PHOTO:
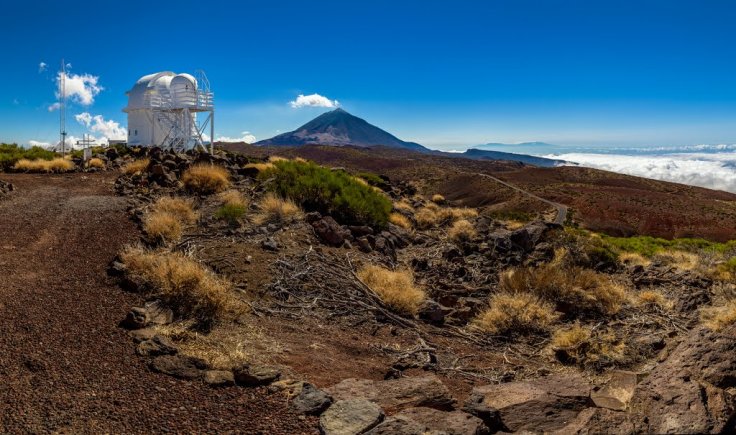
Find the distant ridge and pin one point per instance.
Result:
(340, 128)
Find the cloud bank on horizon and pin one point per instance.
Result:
(713, 170)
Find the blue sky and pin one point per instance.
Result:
(444, 74)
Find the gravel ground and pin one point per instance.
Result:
(65, 365)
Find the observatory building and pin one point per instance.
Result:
(162, 110)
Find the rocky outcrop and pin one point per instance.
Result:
(540, 405)
(5, 188)
(350, 417)
(330, 231)
(396, 394)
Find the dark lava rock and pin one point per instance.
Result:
(179, 366)
(311, 400)
(330, 231)
(256, 375)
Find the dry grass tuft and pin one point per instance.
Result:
(273, 159)
(395, 288)
(400, 220)
(182, 208)
(573, 289)
(718, 317)
(184, 284)
(136, 167)
(652, 299)
(404, 206)
(432, 215)
(95, 162)
(680, 260)
(260, 166)
(205, 178)
(233, 197)
(276, 209)
(363, 182)
(516, 313)
(579, 345)
(438, 199)
(462, 231)
(39, 165)
(633, 259)
(426, 218)
(162, 226)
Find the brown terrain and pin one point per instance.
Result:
(65, 364)
(602, 346)
(619, 205)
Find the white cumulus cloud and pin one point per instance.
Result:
(314, 100)
(246, 137)
(36, 143)
(710, 170)
(79, 88)
(109, 129)
(42, 67)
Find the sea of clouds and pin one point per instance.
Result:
(711, 166)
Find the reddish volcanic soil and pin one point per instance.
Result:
(65, 366)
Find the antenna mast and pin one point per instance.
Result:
(62, 107)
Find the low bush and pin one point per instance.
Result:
(189, 288)
(400, 220)
(432, 215)
(462, 231)
(162, 227)
(395, 288)
(574, 290)
(181, 208)
(335, 193)
(136, 167)
(726, 271)
(275, 209)
(205, 178)
(649, 246)
(515, 313)
(232, 213)
(11, 153)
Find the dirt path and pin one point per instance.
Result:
(65, 366)
(561, 214)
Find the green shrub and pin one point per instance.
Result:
(11, 153)
(336, 193)
(231, 212)
(649, 246)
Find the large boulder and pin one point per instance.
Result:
(529, 236)
(350, 417)
(254, 375)
(311, 400)
(692, 391)
(540, 405)
(179, 366)
(396, 394)
(617, 392)
(450, 423)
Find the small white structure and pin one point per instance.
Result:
(162, 110)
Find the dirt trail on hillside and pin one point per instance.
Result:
(65, 365)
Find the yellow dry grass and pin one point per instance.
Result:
(462, 231)
(512, 225)
(680, 260)
(720, 316)
(395, 288)
(403, 205)
(578, 344)
(206, 178)
(233, 197)
(181, 208)
(136, 167)
(652, 299)
(633, 259)
(426, 218)
(438, 199)
(276, 209)
(400, 220)
(260, 166)
(361, 181)
(95, 162)
(273, 159)
(161, 226)
(39, 165)
(184, 284)
(573, 289)
(515, 313)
